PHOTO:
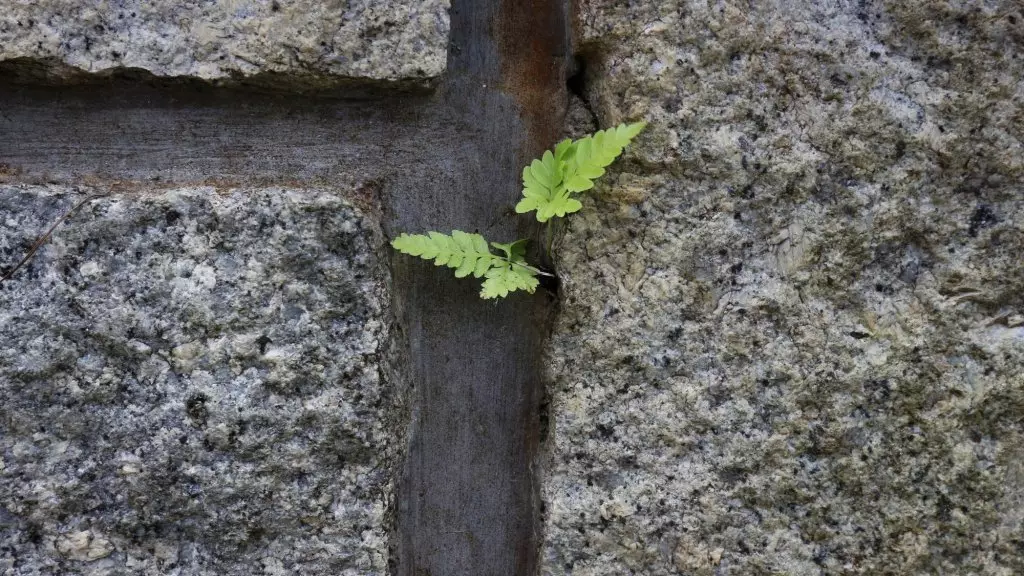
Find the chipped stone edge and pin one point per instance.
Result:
(55, 73)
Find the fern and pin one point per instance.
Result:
(590, 155)
(543, 189)
(514, 251)
(470, 254)
(549, 183)
(512, 274)
(509, 277)
(467, 253)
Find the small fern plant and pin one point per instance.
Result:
(550, 184)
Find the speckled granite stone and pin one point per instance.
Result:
(366, 39)
(792, 334)
(191, 384)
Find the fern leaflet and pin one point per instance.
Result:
(509, 277)
(467, 253)
(544, 191)
(514, 251)
(548, 183)
(590, 155)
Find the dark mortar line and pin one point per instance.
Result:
(186, 133)
(468, 497)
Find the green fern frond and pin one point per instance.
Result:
(549, 183)
(470, 254)
(593, 153)
(543, 189)
(509, 277)
(466, 253)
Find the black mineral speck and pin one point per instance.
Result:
(983, 217)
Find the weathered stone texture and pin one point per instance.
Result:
(792, 334)
(190, 383)
(369, 39)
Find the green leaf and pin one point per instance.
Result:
(512, 274)
(466, 253)
(547, 202)
(470, 254)
(543, 189)
(514, 251)
(509, 277)
(548, 183)
(564, 150)
(593, 153)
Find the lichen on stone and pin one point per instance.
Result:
(790, 340)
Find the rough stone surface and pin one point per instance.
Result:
(792, 333)
(367, 39)
(190, 384)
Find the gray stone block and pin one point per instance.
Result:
(191, 383)
(792, 331)
(391, 41)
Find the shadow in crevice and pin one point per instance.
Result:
(52, 73)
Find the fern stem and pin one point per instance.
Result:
(549, 238)
(530, 268)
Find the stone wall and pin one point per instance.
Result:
(394, 40)
(790, 336)
(792, 327)
(191, 383)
